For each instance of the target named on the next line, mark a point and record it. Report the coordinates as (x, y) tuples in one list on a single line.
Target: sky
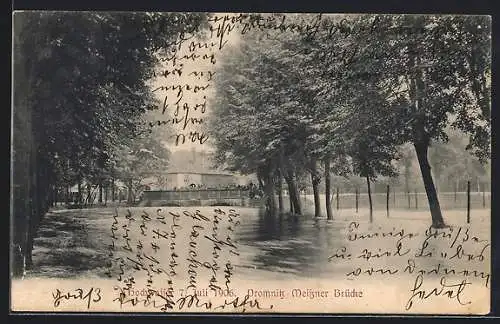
[(194, 72)]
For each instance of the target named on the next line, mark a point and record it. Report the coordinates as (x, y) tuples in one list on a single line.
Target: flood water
[(288, 244), (75, 242)]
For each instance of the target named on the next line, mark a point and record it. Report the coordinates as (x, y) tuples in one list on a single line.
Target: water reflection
[(299, 245), (71, 243)]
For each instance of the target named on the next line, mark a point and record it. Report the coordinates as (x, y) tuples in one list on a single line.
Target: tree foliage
[(360, 86), (80, 88)]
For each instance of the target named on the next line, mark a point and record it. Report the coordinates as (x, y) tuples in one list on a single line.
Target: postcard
[(197, 162)]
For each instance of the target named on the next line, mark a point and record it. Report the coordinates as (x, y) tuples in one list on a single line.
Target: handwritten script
[(439, 263), (176, 259), (89, 296), (183, 83)]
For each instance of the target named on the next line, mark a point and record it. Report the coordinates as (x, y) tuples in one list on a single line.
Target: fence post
[(337, 198), (387, 200), (416, 200), (357, 197), (468, 202), (409, 199)]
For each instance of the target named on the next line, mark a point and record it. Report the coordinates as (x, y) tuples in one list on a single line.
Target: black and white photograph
[(219, 162)]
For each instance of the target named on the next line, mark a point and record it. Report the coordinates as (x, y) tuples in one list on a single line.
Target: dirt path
[(71, 243)]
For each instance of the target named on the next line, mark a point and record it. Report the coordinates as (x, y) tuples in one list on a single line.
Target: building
[(191, 168), (178, 180)]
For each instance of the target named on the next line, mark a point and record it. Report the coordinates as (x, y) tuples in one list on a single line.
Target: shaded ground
[(72, 243)]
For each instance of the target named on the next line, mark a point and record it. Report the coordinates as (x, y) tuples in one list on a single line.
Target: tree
[(141, 158), (79, 87), (247, 125), (372, 151), (339, 89), (436, 70), (452, 162), (340, 166)]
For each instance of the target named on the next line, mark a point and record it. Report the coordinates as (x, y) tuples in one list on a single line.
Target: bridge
[(197, 197)]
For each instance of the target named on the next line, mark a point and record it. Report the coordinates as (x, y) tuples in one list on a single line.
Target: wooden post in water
[(455, 194), (468, 202), (337, 198), (484, 196), (387, 200), (369, 198), (356, 198)]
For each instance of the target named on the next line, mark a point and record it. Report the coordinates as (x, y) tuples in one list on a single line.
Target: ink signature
[(166, 302), (452, 291), (93, 295)]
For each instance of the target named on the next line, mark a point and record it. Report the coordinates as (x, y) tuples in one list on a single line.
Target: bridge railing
[(197, 194)]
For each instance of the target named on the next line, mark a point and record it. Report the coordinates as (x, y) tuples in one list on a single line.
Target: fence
[(413, 200), (390, 200)]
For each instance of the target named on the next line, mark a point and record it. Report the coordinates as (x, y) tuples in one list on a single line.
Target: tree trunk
[(32, 183), (315, 179), (88, 200), (33, 209), (484, 198), (68, 190), (21, 206), (261, 182), (293, 193), (338, 198), (57, 195), (22, 150), (40, 198), (387, 200), (269, 191), (435, 209), (106, 189), (328, 197), (100, 192), (421, 144), (80, 193), (113, 197), (280, 191), (357, 198), (370, 198), (407, 183), (129, 194)]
